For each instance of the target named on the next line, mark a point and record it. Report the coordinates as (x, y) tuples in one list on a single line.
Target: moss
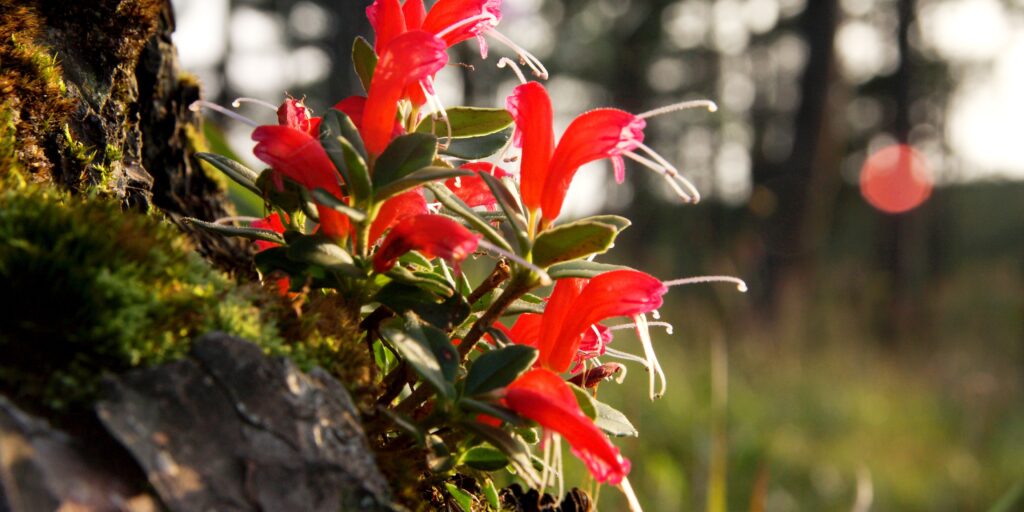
[(31, 81), (196, 143), (90, 290)]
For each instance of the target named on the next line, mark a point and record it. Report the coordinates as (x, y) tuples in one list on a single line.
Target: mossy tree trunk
[(92, 99)]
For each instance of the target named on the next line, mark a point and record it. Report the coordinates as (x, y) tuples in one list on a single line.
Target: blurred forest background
[(878, 361)]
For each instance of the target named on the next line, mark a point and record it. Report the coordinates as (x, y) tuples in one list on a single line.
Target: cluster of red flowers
[(363, 171)]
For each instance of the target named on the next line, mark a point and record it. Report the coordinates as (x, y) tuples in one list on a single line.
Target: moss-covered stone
[(89, 290)]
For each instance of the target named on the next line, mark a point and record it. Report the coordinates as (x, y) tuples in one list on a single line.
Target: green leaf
[(406, 424), (384, 357), (462, 498), (620, 223), (425, 280), (327, 199), (417, 178), (522, 306), (484, 458), (511, 445), (276, 259), (364, 59), (321, 251), (509, 206), (288, 199), (587, 403), (445, 352), (439, 457), (238, 173), (581, 268), (344, 147), (417, 259), (613, 422), (572, 241), (405, 154), (453, 203), (475, 148), (491, 492), (444, 313), (502, 413), (498, 368), (469, 122), (414, 348), (265, 235)]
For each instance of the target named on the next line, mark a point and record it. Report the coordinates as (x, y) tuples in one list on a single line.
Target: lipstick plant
[(381, 198)]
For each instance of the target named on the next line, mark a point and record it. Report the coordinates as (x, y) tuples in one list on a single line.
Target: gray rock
[(43, 469), (231, 429)]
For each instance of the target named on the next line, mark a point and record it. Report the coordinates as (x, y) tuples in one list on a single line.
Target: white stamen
[(684, 105), (486, 16), (438, 109), (654, 166), (634, 504), (547, 461), (507, 62), (525, 57), (643, 331), (656, 314), (671, 171), (668, 327), (238, 103), (626, 356), (559, 468), (545, 279), (236, 218), (197, 105), (740, 284)]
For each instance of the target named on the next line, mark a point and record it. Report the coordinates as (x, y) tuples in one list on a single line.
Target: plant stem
[(501, 272), (521, 283)]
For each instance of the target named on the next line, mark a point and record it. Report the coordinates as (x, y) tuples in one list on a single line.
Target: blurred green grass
[(816, 403)]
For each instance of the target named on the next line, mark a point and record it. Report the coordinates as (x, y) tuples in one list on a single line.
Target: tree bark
[(93, 101)]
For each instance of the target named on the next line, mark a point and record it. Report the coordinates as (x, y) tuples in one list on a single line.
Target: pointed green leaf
[(620, 223), (414, 348), (517, 451), (572, 241), (469, 122), (289, 198), (453, 203), (484, 458), (323, 252), (444, 313), (498, 368), (509, 206), (581, 268), (587, 403), (462, 498), (417, 178), (502, 413), (491, 492), (613, 422), (327, 199), (475, 148), (238, 173), (364, 59), (522, 306), (265, 235), (425, 280), (344, 147), (405, 154)]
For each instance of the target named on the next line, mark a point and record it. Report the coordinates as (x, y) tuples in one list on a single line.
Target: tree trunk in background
[(793, 230), (93, 101)]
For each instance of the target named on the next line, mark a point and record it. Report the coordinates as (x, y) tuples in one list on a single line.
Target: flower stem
[(521, 283)]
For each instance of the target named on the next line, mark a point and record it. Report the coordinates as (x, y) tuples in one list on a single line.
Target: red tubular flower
[(546, 172), (300, 157), (544, 397), (395, 209), (472, 189), (408, 59), (530, 106), (447, 13), (293, 113), (576, 305), (432, 235)]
